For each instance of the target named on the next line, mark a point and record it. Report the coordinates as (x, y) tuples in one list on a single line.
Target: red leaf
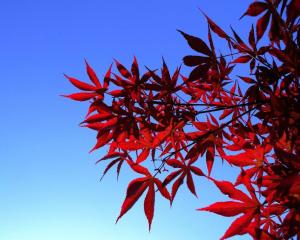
[(138, 168), (197, 171), (215, 28), (81, 96), (197, 44), (240, 160), (225, 113), (251, 38), (162, 189), (238, 225), (135, 69), (242, 59), (104, 126), (143, 155), (247, 79), (107, 78), (227, 209), (228, 189), (92, 75), (176, 185), (233, 147), (117, 92), (170, 177), (210, 155), (109, 166), (149, 204), (102, 140), (190, 183), (261, 25), (111, 155), (81, 85), (195, 60), (174, 163), (200, 125), (161, 137), (255, 9), (199, 72), (125, 73), (134, 191), (98, 117)]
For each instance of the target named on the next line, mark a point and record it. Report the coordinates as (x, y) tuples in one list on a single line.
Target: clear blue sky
[(49, 184)]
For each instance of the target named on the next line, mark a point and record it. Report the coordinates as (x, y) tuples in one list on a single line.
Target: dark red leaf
[(255, 9), (195, 60), (197, 44), (251, 38), (109, 166), (247, 79), (242, 59), (199, 72), (135, 69), (197, 171), (261, 25), (215, 28)]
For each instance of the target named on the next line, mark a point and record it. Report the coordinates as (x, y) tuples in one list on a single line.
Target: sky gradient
[(49, 183)]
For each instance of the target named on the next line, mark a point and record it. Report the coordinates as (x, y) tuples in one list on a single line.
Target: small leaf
[(134, 191), (138, 168), (238, 225), (197, 44), (228, 189), (197, 171), (143, 155), (199, 72), (255, 9), (92, 75), (261, 25), (190, 183), (251, 38), (176, 185), (215, 28), (192, 61), (149, 204), (81, 85), (170, 177), (227, 209), (124, 72), (81, 96), (242, 59), (135, 69), (162, 189)]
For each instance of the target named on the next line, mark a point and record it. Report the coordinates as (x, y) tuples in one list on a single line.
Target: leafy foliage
[(172, 122)]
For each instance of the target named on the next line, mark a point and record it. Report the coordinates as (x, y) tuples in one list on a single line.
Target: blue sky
[(49, 183)]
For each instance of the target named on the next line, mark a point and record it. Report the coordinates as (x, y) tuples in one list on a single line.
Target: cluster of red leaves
[(170, 121)]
